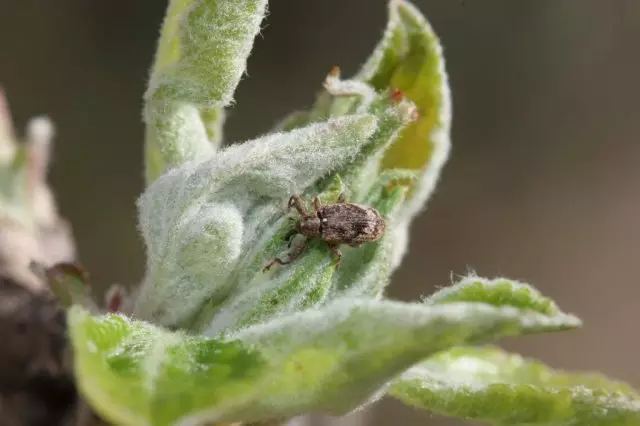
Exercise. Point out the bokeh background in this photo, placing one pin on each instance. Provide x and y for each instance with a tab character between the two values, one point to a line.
543	184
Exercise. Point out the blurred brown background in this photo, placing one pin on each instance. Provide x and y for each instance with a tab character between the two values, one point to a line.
543	184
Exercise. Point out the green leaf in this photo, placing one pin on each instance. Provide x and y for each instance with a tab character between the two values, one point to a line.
496	292
337	358
200	220
275	293
330	360
202	54
255	295
135	374
203	49
213	119
488	384
409	58
262	295
175	134
406	65
292	121
365	270
349	95
393	117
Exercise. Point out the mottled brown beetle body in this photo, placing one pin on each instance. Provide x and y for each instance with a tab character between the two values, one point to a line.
335	224
351	224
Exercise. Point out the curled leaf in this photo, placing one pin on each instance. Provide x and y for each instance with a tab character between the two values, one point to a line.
198	220
488	384
393	117
202	54
213	119
199	253
265	293
203	49
407	67
409	59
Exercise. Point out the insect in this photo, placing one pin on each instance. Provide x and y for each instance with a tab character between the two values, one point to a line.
337	223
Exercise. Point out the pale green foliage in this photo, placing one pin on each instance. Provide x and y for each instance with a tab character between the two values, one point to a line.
195	219
344	354
492	385
322	360
202	53
256	345
409	58
498	291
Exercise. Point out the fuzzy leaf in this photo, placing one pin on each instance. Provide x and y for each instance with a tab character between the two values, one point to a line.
135	374
198	220
496	292
393	117
365	271
201	57
488	384
203	49
336	358
260	295
175	134
351	94
409	58
365	268
288	291
213	119
320	360
292	121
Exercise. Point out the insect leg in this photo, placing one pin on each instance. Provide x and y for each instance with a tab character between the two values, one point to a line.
298	250
296	201
292	256
316	204
336	251
289	237
273	262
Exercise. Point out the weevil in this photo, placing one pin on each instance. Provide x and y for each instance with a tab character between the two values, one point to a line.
336	223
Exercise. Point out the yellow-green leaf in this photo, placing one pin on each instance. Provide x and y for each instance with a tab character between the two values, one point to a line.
409	58
490	385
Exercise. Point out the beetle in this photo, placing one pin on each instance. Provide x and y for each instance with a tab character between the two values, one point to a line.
335	223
